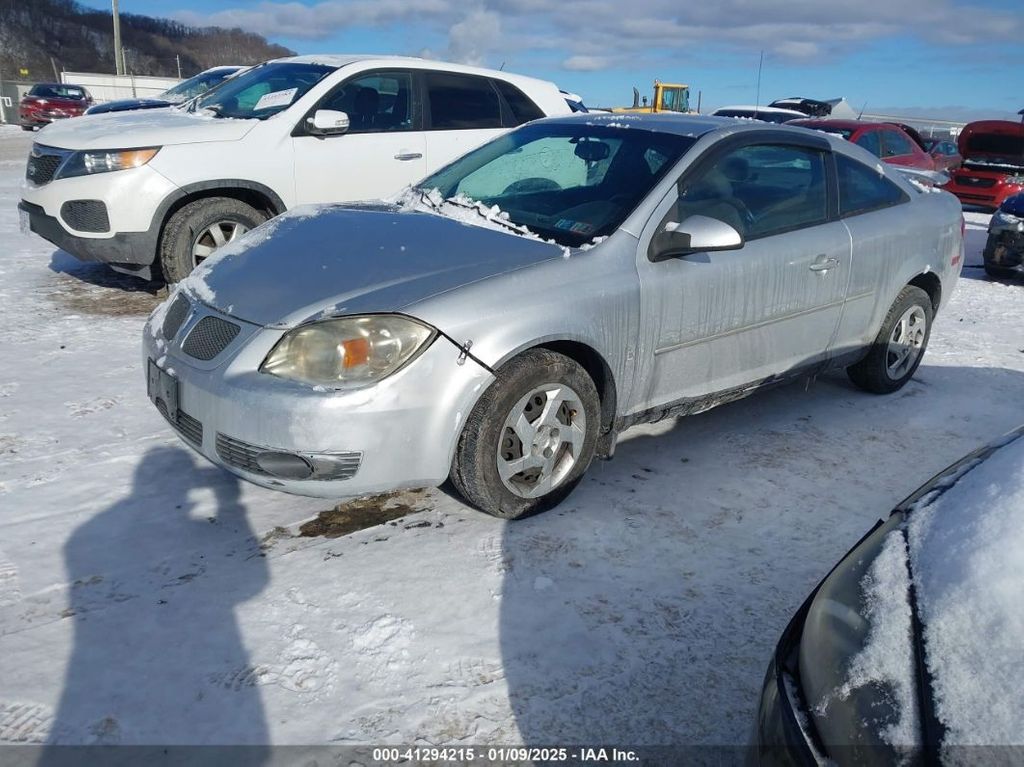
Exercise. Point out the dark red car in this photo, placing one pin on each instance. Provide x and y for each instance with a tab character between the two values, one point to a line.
993	169
886	141
47	102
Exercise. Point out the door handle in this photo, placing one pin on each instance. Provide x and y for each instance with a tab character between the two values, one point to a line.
823	264
408	155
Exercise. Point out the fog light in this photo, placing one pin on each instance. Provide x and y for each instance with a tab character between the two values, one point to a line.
285	465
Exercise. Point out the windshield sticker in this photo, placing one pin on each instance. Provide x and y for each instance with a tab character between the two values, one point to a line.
579	227
275	99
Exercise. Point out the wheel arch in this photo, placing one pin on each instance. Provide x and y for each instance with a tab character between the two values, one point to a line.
259	196
930	283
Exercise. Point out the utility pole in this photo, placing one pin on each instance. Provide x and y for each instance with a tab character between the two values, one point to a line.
760	64
177	59
118	55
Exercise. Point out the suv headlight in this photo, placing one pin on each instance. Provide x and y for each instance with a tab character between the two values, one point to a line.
349	352
105	160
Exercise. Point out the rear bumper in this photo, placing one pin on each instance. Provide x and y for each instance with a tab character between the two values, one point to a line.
132	251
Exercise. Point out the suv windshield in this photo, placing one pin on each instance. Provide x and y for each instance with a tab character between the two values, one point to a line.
568	182
263	91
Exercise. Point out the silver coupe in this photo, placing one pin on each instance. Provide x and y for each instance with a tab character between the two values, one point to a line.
500	323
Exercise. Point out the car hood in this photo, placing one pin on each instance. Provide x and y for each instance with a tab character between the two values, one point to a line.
348	259
124	105
151	127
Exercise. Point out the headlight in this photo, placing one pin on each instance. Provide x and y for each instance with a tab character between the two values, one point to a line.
105	160
349	352
1001	218
1019	180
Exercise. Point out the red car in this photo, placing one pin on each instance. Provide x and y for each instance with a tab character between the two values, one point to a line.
47	102
993	169
884	140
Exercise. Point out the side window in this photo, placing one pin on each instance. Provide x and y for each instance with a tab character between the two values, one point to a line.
896	144
871	141
760	190
522	106
863	189
375	103
462	102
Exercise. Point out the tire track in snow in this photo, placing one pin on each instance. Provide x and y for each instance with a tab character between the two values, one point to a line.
10	586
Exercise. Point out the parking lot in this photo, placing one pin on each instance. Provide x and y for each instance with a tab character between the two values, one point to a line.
148	597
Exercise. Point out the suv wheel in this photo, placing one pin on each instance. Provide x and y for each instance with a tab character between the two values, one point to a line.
530	438
195	232
899	346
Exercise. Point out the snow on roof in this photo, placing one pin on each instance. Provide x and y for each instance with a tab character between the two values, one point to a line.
967	559
766	110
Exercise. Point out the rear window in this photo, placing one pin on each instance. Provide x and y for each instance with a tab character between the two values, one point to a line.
462	102
522	106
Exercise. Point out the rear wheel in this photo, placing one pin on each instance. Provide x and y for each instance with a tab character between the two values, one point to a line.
999	272
198	229
899	346
530	438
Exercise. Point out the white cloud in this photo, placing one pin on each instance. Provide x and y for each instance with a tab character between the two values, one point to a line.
588	35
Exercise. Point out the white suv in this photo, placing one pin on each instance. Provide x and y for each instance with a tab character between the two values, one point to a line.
153	193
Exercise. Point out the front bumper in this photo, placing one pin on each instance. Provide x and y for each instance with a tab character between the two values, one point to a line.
132	251
397	434
973	191
1005	248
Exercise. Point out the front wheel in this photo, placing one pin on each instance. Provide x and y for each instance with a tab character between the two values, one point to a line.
530	438
199	228
899	346
999	272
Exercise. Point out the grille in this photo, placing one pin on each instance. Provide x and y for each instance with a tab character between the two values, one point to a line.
209	337
43	164
239	454
175	317
187	426
86	215
981	183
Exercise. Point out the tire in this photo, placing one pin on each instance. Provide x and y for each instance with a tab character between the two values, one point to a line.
193	225
519	388
28	127
879	372
1000	272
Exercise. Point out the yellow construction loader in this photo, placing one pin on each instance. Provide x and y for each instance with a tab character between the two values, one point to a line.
668	97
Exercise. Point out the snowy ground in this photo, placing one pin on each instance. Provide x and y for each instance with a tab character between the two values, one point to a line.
147	597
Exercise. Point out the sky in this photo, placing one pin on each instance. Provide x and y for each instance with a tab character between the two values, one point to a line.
929	57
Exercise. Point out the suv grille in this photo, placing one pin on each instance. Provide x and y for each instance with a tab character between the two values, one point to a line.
43	162
981	183
209	337
175	317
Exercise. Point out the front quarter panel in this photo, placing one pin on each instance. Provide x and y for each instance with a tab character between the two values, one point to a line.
589	297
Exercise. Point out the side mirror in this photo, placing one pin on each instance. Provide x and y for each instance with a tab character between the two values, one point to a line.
327	122
696	234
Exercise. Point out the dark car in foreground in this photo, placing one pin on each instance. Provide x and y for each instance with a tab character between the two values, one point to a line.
179	94
909	651
1004	251
993	163
46	102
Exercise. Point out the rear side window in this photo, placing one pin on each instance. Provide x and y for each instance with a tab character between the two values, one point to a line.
522	106
872	141
863	189
462	102
896	144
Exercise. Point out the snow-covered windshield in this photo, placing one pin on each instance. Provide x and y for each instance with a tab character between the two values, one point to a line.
263	91
195	86
569	183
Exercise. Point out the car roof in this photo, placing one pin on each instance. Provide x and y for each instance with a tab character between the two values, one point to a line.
692	126
824	122
344	59
766	110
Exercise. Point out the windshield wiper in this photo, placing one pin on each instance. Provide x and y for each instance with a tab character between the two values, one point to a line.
215	109
484	212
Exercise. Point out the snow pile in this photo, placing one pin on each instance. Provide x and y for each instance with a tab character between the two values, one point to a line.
967	555
887	659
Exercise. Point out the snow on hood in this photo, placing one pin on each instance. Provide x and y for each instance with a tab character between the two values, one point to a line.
345	259
127	130
967	557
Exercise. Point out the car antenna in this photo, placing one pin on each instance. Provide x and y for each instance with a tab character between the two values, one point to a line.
861	112
502	67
